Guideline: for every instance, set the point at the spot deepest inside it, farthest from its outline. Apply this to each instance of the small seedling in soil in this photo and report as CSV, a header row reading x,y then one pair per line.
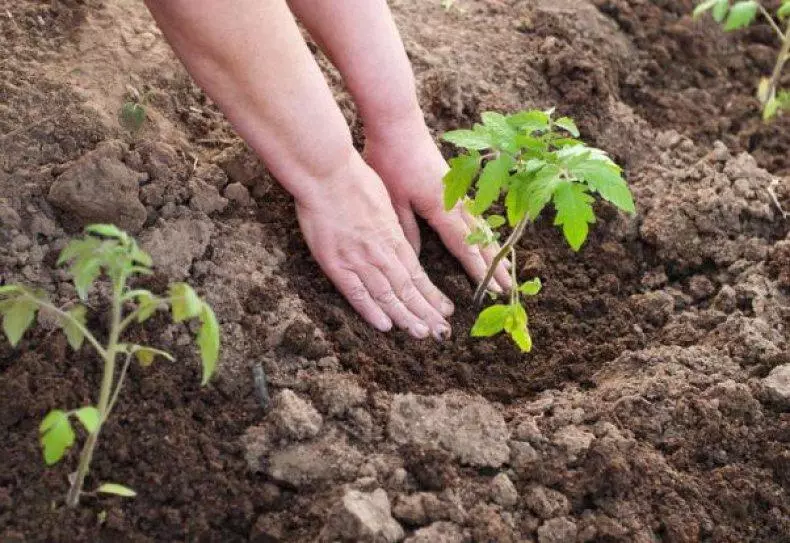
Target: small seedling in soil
x,y
534,160
108,250
737,15
133,113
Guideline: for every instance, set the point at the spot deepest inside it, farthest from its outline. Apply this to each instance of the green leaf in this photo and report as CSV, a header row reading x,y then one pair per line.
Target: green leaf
x,y
89,417
7,290
605,179
146,355
18,318
540,189
522,338
56,435
516,198
469,139
141,257
74,334
531,287
529,121
574,212
566,123
147,305
118,490
535,145
741,15
491,321
784,10
495,221
771,109
476,237
184,302
85,271
516,318
499,127
79,248
703,7
108,231
457,181
132,116
208,341
720,10
492,179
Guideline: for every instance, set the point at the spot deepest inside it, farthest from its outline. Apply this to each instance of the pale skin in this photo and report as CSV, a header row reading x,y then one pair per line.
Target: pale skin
x,y
356,213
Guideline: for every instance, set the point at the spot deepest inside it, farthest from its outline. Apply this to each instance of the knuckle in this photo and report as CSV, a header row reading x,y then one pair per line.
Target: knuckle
x,y
386,297
357,294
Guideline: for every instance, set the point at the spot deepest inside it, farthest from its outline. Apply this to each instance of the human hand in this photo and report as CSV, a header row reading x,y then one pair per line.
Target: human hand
x,y
354,235
411,166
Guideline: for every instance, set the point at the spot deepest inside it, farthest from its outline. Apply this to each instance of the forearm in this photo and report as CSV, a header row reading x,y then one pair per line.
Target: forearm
x,y
249,56
362,40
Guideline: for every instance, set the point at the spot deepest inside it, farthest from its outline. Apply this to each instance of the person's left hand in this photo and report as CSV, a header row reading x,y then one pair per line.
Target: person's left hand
x,y
411,166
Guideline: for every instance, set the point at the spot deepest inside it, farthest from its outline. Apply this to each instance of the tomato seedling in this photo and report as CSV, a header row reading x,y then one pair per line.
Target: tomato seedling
x,y
108,250
534,160
737,15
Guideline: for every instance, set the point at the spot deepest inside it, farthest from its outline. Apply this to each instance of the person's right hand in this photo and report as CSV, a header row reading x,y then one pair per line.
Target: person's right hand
x,y
355,236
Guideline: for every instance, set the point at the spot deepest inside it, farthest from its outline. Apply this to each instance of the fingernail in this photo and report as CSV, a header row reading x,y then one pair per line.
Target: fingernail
x,y
383,324
447,308
495,287
420,331
442,332
507,264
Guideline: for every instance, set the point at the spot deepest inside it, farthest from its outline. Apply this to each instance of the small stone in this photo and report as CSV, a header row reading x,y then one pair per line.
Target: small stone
x,y
573,439
546,502
777,385
175,245
503,491
528,430
238,193
557,530
295,417
8,216
336,394
410,510
522,455
308,463
363,517
206,198
438,532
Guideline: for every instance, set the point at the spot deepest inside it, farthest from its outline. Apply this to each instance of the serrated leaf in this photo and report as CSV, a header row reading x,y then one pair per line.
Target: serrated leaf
x,y
566,123
531,287
184,302
529,121
457,181
147,304
495,221
535,145
56,435
703,7
132,116
81,248
574,212
741,15
491,321
784,10
720,10
606,179
516,198
146,355
85,271
17,318
116,489
108,231
89,417
522,339
469,139
208,341
493,177
74,334
540,189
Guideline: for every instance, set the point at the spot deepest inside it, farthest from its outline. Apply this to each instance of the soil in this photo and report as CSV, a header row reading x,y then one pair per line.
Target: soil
x,y
649,410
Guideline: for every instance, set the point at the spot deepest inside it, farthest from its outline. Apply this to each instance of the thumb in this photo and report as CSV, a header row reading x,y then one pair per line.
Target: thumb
x,y
408,222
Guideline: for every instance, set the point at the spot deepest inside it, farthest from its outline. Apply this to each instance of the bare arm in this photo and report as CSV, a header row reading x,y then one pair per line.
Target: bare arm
x,y
249,56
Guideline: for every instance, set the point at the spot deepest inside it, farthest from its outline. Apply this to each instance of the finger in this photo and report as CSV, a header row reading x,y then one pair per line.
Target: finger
x,y
408,222
383,293
454,230
350,286
410,294
502,274
416,274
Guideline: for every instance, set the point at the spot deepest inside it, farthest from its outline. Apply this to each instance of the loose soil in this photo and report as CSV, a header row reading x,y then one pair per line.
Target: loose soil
x,y
645,412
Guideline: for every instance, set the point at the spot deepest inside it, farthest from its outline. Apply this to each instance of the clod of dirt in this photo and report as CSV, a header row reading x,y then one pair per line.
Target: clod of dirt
x,y
467,426
439,532
336,394
175,245
503,491
546,502
238,193
294,417
363,517
557,530
329,458
777,385
522,455
206,197
240,164
410,509
99,187
574,440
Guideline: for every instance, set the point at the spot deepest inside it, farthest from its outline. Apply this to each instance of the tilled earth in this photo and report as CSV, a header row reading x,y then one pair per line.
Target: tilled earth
x,y
654,407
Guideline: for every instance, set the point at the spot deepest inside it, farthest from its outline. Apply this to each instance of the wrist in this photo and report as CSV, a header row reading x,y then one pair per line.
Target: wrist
x,y
404,121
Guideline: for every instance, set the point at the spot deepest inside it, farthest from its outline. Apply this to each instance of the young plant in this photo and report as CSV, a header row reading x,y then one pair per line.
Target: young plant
x,y
104,249
534,160
737,15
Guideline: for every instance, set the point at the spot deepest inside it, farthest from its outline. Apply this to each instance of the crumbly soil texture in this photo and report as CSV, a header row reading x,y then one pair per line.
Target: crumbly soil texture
x,y
655,405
